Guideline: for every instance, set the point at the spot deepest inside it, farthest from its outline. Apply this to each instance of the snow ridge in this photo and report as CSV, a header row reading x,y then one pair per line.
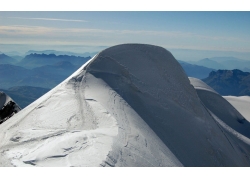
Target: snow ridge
x,y
130,105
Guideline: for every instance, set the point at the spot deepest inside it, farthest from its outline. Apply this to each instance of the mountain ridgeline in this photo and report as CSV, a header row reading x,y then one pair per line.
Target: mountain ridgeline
x,y
85,54
38,70
4,59
229,82
38,60
196,71
28,78
224,74
228,63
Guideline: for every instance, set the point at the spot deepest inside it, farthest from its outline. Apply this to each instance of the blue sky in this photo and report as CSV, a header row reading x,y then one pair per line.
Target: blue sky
x,y
201,34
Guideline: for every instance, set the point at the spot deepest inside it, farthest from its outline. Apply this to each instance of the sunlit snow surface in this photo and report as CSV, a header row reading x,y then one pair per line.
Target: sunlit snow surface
x,y
130,105
242,104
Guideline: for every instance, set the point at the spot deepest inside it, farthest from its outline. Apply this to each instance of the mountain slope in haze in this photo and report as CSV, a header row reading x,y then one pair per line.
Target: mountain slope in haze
x,y
47,76
37,60
232,62
62,68
130,105
13,53
17,58
229,82
196,71
4,59
11,75
210,63
25,95
228,63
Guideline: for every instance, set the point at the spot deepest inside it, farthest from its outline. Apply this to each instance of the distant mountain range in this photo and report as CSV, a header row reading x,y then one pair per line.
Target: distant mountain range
x,y
24,95
38,60
16,57
196,71
47,76
11,75
13,53
229,82
226,63
35,74
4,59
39,70
86,54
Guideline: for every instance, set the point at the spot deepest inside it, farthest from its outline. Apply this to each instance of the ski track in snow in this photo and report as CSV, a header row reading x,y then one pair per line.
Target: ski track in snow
x,y
71,130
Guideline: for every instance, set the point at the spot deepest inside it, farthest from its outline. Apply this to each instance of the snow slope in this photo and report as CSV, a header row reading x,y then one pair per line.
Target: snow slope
x,y
221,108
130,105
242,104
235,127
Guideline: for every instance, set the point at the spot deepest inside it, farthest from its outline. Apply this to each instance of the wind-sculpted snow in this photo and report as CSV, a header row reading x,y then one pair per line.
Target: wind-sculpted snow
x,y
130,105
235,127
200,85
241,103
221,108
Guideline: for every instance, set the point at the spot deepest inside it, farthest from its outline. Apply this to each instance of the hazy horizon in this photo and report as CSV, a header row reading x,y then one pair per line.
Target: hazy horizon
x,y
190,36
179,54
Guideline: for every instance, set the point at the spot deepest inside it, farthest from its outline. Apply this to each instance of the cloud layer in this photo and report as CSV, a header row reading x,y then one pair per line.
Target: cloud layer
x,y
49,19
107,37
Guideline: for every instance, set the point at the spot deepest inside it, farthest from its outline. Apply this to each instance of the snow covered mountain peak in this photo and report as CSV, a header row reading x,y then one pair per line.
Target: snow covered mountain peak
x,y
130,105
145,69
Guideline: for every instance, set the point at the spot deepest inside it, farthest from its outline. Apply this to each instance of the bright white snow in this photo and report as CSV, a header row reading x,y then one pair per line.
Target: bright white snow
x,y
242,104
130,105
